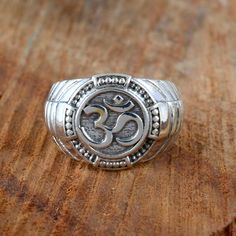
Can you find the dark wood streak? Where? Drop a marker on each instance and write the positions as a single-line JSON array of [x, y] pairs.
[[189, 190]]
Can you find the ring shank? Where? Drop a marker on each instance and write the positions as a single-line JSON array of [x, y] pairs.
[[171, 110]]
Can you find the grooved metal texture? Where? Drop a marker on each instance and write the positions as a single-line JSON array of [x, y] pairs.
[[190, 189]]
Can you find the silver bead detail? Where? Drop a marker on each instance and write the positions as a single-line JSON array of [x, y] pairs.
[[122, 164], [68, 119], [86, 155], [108, 80], [82, 92], [137, 88], [68, 125], [109, 164], [155, 118], [82, 151], [139, 154], [122, 81], [155, 131], [102, 163], [155, 125], [69, 112], [90, 86], [132, 85], [115, 80], [143, 150], [155, 112], [116, 164], [69, 132]]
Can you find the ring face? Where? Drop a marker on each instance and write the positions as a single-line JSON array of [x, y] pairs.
[[112, 121]]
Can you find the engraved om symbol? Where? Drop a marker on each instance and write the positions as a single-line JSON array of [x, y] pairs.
[[122, 119]]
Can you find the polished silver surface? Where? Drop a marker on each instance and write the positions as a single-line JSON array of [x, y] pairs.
[[113, 121]]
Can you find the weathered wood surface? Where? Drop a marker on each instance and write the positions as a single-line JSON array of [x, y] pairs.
[[190, 190], [230, 229]]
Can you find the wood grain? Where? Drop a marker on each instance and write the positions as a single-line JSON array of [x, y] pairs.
[[190, 190]]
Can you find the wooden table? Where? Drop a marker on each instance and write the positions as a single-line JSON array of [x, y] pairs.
[[191, 189]]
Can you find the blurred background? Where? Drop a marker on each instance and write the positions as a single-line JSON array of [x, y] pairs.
[[191, 190]]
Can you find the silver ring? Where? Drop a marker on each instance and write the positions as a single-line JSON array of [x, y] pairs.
[[113, 121]]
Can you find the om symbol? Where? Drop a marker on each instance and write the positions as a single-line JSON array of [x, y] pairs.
[[121, 121]]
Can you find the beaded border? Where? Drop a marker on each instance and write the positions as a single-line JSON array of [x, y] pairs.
[[120, 81], [155, 131], [68, 122], [80, 94], [117, 80], [141, 91]]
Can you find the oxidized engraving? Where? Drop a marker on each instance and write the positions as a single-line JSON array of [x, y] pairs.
[[112, 123], [124, 118]]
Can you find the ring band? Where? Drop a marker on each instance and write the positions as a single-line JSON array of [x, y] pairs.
[[113, 121]]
